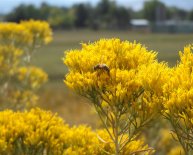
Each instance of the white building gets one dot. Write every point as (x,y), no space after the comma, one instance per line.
(140,25)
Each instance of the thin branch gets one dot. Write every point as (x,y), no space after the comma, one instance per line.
(139,151)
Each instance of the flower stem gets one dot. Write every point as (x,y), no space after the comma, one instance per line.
(116,128)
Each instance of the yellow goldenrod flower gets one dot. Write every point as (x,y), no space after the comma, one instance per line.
(18,41)
(40,31)
(178,101)
(23,99)
(46,133)
(9,59)
(32,76)
(122,79)
(14,34)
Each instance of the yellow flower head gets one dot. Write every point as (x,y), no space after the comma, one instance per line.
(32,76)
(14,34)
(42,131)
(32,131)
(118,70)
(123,80)
(20,99)
(9,59)
(112,52)
(179,89)
(179,97)
(18,42)
(40,31)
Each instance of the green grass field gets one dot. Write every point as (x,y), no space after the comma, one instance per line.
(58,98)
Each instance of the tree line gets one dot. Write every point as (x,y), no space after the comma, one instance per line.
(105,15)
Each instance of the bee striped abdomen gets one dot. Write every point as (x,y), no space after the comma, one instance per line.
(102,67)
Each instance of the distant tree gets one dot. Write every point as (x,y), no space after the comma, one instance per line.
(122,17)
(45,10)
(105,10)
(23,12)
(108,15)
(154,10)
(136,14)
(182,14)
(58,17)
(81,15)
(176,13)
(104,7)
(191,15)
(61,18)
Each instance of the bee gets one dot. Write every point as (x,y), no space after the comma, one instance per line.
(103,67)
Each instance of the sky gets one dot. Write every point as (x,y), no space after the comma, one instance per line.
(7,5)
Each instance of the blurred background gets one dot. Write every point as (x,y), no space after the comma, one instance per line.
(163,26)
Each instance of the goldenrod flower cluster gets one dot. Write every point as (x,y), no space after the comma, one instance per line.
(20,99)
(40,31)
(179,99)
(9,60)
(32,76)
(31,132)
(41,132)
(179,90)
(18,41)
(26,33)
(122,79)
(14,34)
(131,68)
